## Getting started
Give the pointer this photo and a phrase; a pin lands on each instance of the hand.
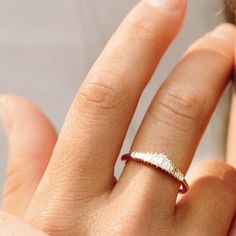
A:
(78, 193)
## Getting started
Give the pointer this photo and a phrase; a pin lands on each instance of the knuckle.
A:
(180, 109)
(96, 97)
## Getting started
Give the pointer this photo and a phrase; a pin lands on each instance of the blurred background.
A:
(47, 47)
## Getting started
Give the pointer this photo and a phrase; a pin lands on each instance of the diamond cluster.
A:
(159, 160)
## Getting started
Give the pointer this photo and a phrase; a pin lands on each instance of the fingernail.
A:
(5, 113)
(165, 4)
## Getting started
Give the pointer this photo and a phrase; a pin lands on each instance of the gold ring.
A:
(159, 160)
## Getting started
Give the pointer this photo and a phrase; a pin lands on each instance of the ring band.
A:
(159, 160)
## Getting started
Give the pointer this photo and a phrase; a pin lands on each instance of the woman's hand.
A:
(78, 193)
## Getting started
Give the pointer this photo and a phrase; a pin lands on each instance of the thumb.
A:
(31, 140)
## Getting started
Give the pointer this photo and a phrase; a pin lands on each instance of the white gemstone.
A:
(146, 158)
(154, 161)
(160, 160)
(166, 165)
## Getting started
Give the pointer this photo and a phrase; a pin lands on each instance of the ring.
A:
(159, 160)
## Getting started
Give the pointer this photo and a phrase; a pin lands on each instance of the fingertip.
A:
(159, 18)
(18, 113)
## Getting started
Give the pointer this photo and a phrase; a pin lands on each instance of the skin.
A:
(66, 185)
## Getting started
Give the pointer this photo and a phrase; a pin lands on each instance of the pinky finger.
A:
(211, 202)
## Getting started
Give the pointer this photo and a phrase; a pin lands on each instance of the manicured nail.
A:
(165, 4)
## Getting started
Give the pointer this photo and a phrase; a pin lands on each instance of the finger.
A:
(101, 112)
(31, 140)
(11, 226)
(211, 202)
(231, 142)
(179, 115)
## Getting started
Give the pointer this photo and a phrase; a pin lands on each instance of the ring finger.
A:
(178, 117)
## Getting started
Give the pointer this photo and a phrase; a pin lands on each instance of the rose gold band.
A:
(160, 161)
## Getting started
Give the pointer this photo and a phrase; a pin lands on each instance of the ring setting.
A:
(160, 161)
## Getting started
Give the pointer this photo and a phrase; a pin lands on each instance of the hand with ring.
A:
(66, 186)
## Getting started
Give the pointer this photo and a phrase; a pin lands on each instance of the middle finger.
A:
(83, 160)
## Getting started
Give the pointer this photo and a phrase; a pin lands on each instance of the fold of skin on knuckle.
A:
(141, 22)
(185, 106)
(182, 110)
(102, 97)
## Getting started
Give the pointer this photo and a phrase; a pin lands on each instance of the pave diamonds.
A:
(159, 160)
